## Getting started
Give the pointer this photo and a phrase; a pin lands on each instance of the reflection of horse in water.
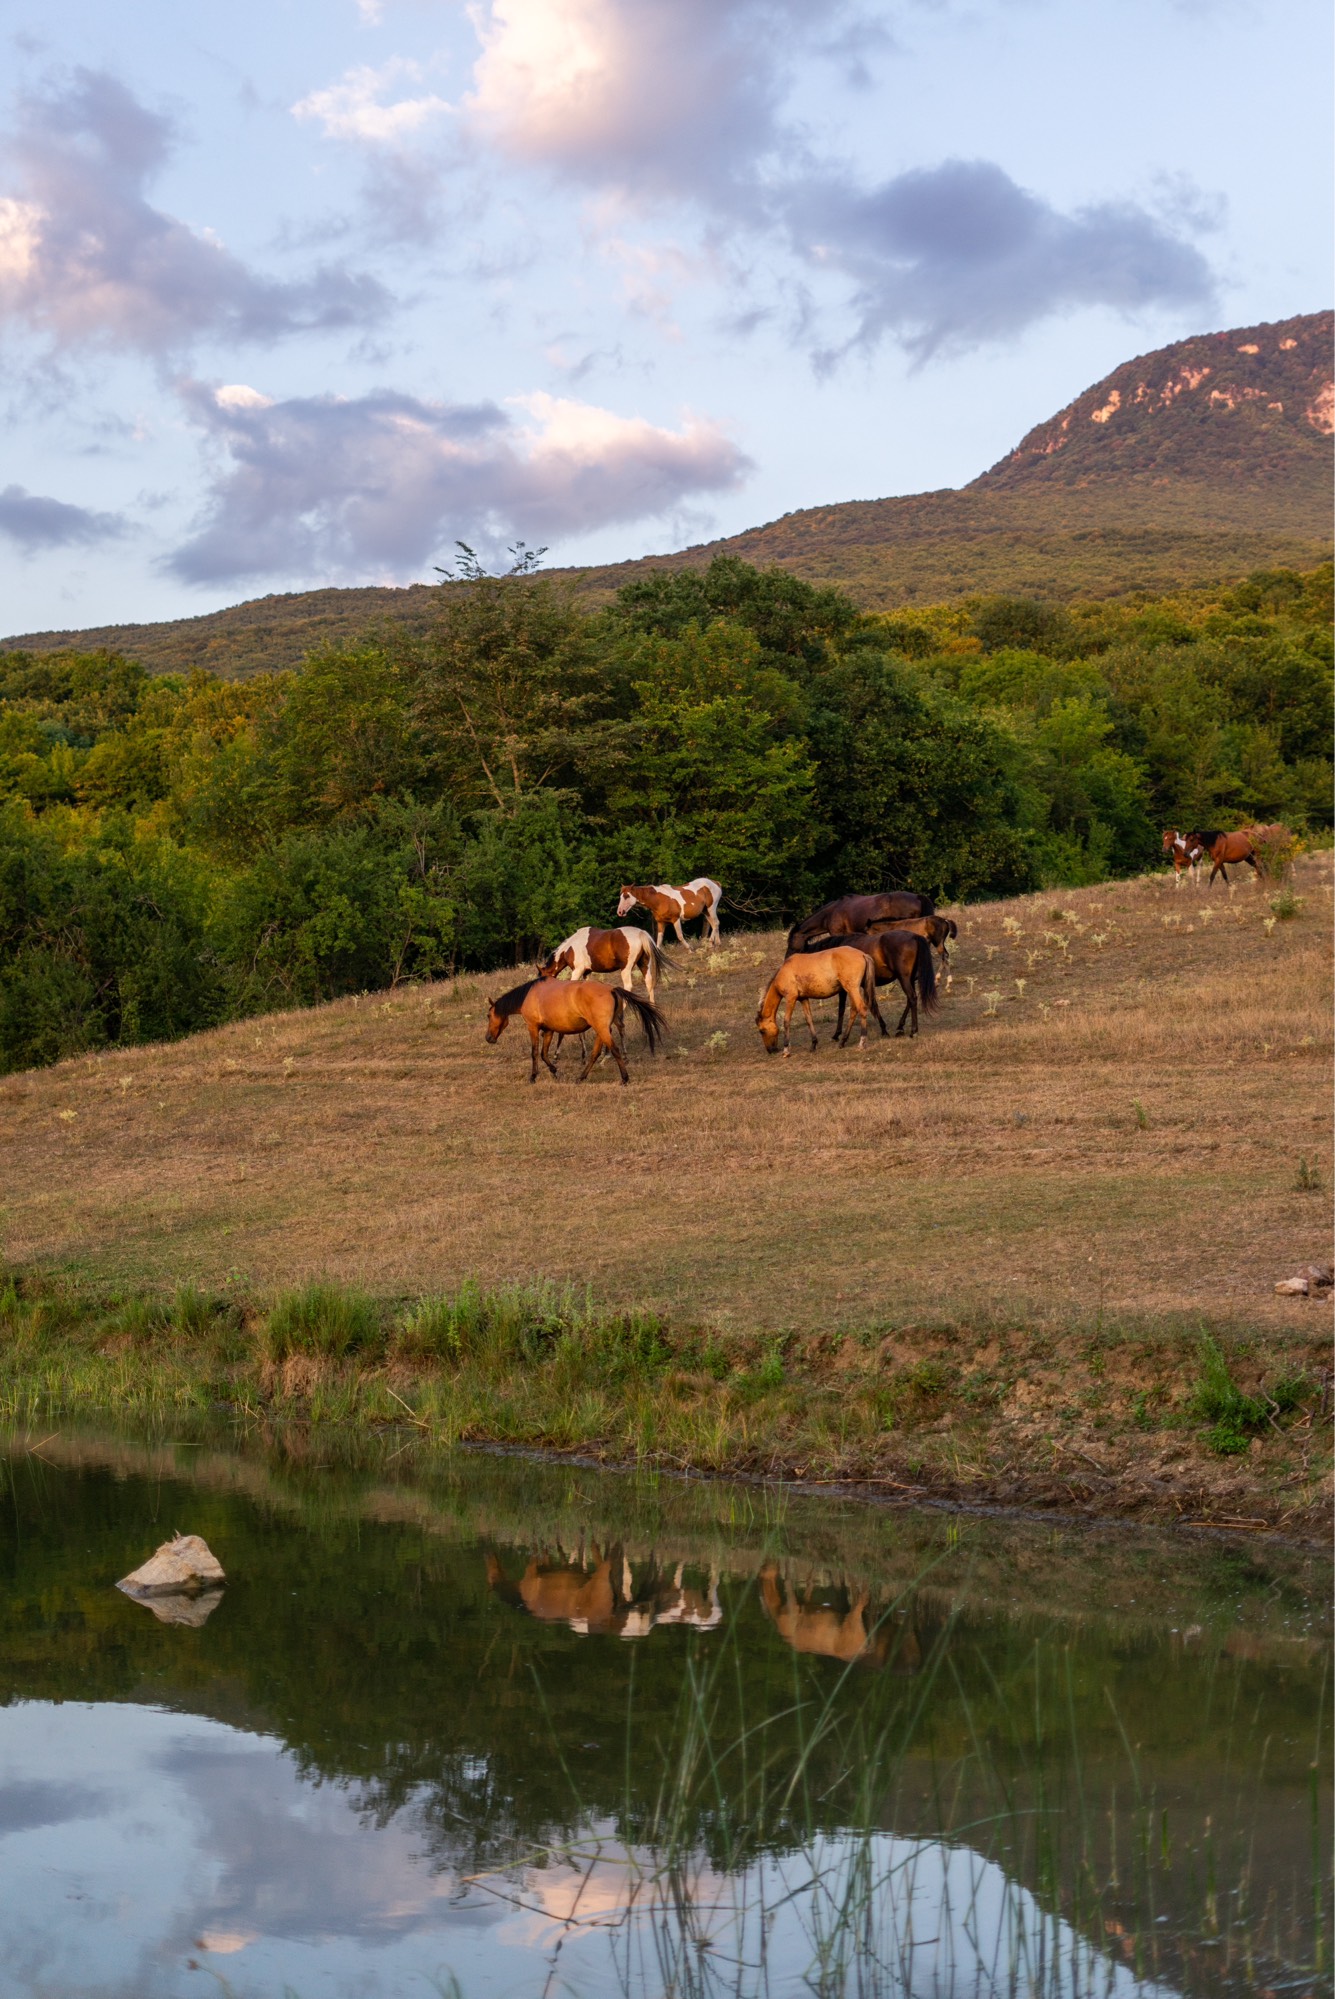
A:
(678, 1603)
(832, 1632)
(604, 1598)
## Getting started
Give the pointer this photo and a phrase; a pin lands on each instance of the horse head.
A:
(496, 1021)
(627, 901)
(553, 965)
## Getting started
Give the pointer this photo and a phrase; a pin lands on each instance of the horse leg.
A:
(545, 1048)
(1250, 859)
(533, 1052)
(839, 1023)
(619, 1057)
(811, 1025)
(597, 1050)
(685, 940)
(876, 1009)
(715, 934)
(788, 1025)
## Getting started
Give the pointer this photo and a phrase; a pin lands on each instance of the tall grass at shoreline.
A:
(547, 1368)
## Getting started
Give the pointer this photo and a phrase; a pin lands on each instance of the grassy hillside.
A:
(1016, 1228)
(1213, 461)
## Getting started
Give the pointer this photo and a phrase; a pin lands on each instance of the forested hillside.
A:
(1194, 464)
(176, 850)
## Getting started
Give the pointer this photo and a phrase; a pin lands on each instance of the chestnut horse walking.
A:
(813, 975)
(1230, 847)
(849, 913)
(621, 950)
(551, 1010)
(897, 957)
(676, 906)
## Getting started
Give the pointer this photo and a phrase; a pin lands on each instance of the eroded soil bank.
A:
(1216, 1427)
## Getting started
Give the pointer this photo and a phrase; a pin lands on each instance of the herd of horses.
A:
(846, 949)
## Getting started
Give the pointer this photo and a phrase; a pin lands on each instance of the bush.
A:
(323, 1319)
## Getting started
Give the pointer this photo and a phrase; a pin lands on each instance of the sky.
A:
(308, 291)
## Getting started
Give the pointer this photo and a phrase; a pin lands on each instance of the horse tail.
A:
(924, 973)
(652, 1023)
(658, 958)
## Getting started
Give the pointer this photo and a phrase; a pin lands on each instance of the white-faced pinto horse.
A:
(848, 914)
(675, 906)
(1232, 848)
(551, 1010)
(816, 975)
(620, 950)
(1185, 850)
(902, 958)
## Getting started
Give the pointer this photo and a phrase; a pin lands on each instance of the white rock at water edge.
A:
(186, 1562)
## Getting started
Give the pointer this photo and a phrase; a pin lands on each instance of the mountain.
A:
(1193, 464)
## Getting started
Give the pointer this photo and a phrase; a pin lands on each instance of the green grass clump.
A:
(323, 1319)
(1221, 1403)
(1286, 905)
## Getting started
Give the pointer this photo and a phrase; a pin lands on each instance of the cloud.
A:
(654, 97)
(85, 259)
(355, 108)
(35, 522)
(376, 484)
(947, 257)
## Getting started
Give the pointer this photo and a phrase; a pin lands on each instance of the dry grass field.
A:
(1106, 1118)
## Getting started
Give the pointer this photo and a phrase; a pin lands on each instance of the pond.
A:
(482, 1726)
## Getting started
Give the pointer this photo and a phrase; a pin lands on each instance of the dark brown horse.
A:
(550, 1010)
(938, 930)
(849, 913)
(1231, 847)
(898, 957)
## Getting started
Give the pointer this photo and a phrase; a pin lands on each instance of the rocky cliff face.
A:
(1256, 403)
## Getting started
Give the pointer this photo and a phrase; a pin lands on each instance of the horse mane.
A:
(511, 1002)
(1206, 839)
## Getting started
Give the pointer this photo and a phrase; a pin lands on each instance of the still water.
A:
(486, 1727)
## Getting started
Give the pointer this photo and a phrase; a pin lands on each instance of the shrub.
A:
(322, 1319)
(1286, 905)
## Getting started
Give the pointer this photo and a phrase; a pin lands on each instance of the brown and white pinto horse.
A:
(849, 913)
(676, 906)
(898, 957)
(589, 950)
(1185, 849)
(1227, 847)
(551, 1010)
(813, 975)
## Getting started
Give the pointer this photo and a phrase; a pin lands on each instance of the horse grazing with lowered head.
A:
(621, 950)
(898, 957)
(675, 906)
(1232, 848)
(940, 931)
(551, 1010)
(849, 913)
(813, 975)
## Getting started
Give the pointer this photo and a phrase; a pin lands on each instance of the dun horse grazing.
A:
(849, 913)
(550, 1011)
(823, 1629)
(813, 975)
(676, 906)
(620, 950)
(1227, 847)
(901, 957)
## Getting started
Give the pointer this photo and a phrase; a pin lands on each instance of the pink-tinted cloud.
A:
(375, 485)
(85, 259)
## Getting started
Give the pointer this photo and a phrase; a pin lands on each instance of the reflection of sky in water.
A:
(133, 1840)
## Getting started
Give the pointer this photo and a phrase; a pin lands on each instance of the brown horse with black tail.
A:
(848, 914)
(551, 1009)
(1227, 847)
(898, 957)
